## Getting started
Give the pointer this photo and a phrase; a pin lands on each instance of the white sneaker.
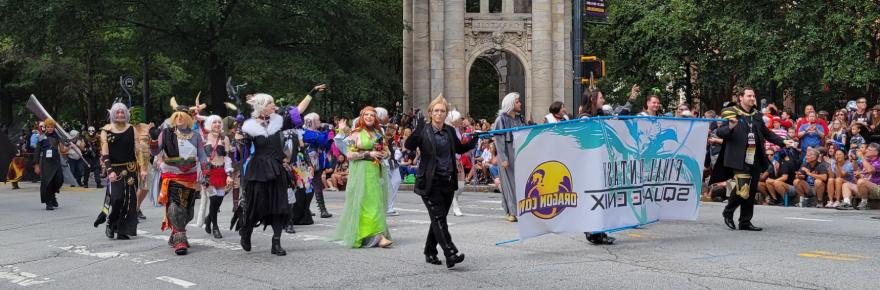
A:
(863, 204)
(457, 212)
(835, 204)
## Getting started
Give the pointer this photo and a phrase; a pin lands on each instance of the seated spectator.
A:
(840, 173)
(811, 178)
(339, 178)
(778, 180)
(870, 177)
(408, 164)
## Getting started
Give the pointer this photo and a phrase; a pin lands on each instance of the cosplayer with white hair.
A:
(508, 117)
(317, 140)
(218, 169)
(394, 178)
(264, 200)
(121, 165)
(114, 113)
(454, 119)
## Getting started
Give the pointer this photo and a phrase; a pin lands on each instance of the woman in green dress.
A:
(362, 224)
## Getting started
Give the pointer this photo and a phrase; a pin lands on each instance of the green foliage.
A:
(770, 45)
(73, 51)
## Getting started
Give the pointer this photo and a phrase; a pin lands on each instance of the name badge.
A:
(750, 150)
(49, 153)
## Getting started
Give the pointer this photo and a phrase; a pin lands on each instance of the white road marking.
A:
(201, 242)
(490, 201)
(15, 276)
(175, 281)
(806, 219)
(83, 250)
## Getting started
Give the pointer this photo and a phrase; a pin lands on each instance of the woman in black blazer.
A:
(436, 178)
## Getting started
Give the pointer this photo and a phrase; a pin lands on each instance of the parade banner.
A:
(606, 174)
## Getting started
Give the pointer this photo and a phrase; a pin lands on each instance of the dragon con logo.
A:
(548, 191)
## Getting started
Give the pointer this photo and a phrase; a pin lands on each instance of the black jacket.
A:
(733, 150)
(423, 139)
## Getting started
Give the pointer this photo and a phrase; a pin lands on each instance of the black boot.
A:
(15, 185)
(245, 232)
(109, 232)
(276, 247)
(216, 201)
(321, 206)
(208, 224)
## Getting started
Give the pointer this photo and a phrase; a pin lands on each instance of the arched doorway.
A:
(491, 76)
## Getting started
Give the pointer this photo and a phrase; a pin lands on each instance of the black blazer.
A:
(733, 150)
(423, 139)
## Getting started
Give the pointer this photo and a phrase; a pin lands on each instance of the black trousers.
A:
(438, 202)
(746, 205)
(93, 169)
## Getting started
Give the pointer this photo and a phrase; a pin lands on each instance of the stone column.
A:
(437, 46)
(507, 6)
(421, 54)
(407, 55)
(454, 56)
(542, 60)
(562, 69)
(484, 6)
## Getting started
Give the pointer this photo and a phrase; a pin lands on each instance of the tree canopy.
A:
(71, 53)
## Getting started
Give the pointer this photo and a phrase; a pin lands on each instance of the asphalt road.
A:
(799, 248)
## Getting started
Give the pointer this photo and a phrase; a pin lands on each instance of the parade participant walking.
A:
(394, 178)
(591, 106)
(178, 158)
(558, 113)
(218, 168)
(143, 144)
(91, 146)
(437, 180)
(48, 156)
(739, 159)
(507, 118)
(317, 140)
(238, 152)
(122, 166)
(362, 224)
(265, 199)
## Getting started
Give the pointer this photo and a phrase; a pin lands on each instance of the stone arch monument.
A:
(443, 38)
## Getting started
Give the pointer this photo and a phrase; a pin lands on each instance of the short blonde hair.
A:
(187, 120)
(438, 100)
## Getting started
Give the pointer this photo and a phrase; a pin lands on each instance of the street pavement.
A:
(800, 248)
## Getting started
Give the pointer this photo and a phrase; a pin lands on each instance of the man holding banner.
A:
(744, 138)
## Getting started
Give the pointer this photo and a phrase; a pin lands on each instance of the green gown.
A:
(363, 218)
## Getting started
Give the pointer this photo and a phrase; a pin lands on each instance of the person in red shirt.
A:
(807, 110)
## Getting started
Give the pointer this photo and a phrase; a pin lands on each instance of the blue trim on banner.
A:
(614, 230)
(600, 118)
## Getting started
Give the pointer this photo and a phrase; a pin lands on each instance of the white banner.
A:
(608, 174)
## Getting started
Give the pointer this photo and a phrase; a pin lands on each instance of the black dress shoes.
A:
(454, 259)
(600, 238)
(728, 220)
(749, 227)
(432, 259)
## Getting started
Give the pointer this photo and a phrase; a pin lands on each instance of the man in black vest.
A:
(740, 158)
(436, 179)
